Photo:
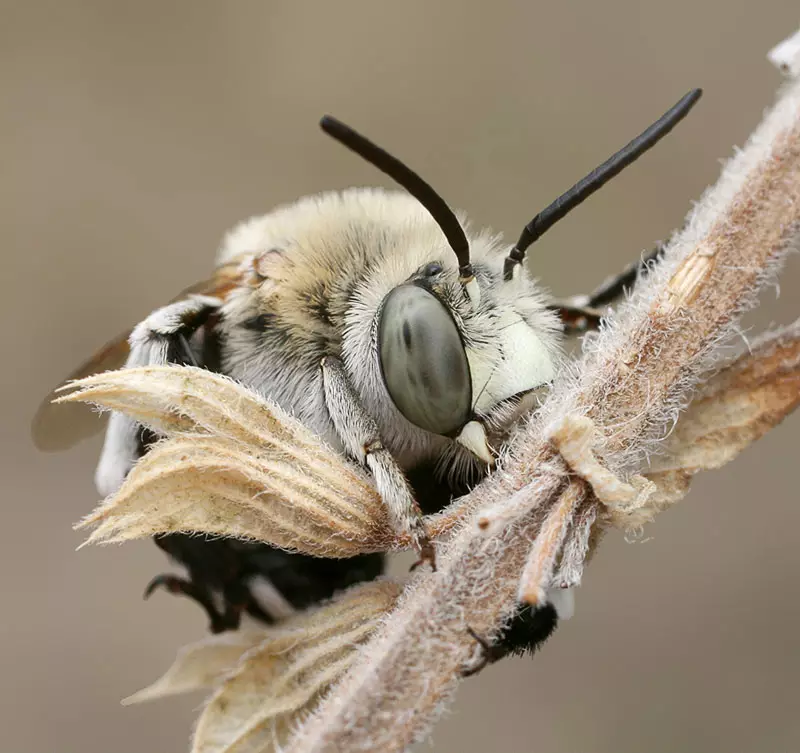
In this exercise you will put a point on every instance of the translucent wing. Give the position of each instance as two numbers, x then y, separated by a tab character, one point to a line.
58	427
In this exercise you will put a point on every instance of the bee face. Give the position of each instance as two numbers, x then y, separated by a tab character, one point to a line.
448	366
425	360
474	357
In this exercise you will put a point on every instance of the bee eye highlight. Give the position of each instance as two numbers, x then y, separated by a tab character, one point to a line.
423	362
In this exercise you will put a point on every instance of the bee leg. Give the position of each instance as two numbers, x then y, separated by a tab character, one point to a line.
158	340
577	319
490	653
613	288
175	585
238	600
235	597
254	609
359	434
524	634
584	312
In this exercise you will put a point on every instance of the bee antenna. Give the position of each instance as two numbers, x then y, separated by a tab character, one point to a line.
585	187
416	186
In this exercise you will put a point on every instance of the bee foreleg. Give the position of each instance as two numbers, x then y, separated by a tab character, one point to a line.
158	340
584	312
162	337
359	434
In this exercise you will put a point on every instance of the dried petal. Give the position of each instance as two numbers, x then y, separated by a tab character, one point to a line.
279	680
200	665
233	465
185	400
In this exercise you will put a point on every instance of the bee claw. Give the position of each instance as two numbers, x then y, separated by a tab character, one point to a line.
171	583
175	585
489	654
427	553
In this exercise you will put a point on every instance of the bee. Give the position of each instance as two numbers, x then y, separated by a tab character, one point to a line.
379	319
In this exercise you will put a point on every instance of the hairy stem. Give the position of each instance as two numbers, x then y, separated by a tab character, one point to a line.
632	380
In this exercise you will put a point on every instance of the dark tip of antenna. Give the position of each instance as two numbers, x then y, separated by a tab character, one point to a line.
409	180
596	179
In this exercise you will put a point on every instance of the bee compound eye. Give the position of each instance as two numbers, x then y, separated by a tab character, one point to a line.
423	361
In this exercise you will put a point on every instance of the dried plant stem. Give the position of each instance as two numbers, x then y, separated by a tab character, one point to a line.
632	380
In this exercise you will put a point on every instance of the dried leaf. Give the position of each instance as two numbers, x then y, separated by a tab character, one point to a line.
737	406
232	465
200	665
277	682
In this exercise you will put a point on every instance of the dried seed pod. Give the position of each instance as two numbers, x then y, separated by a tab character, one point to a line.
203	485
186	400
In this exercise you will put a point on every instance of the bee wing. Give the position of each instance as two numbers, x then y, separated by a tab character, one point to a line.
59	426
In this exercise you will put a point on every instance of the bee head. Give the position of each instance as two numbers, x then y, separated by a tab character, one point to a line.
452	362
457	368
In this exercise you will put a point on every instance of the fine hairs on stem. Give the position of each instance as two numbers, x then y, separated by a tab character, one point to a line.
630	384
652	401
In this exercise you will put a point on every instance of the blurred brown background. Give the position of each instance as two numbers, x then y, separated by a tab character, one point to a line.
133	134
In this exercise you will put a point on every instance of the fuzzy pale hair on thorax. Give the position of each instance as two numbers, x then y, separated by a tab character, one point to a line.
390	235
